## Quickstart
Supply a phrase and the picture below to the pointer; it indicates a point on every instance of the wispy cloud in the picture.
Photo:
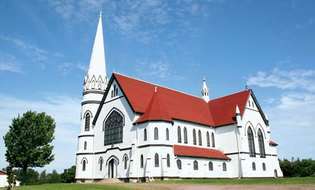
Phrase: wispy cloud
(292, 112)
(65, 110)
(8, 63)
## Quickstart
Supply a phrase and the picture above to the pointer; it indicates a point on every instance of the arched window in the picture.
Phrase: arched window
(185, 136)
(141, 161)
(264, 166)
(224, 166)
(156, 133)
(199, 138)
(194, 137)
(145, 135)
(83, 165)
(261, 144)
(251, 142)
(253, 166)
(100, 162)
(167, 134)
(113, 132)
(156, 160)
(85, 145)
(208, 139)
(87, 121)
(125, 159)
(195, 165)
(179, 164)
(179, 135)
(168, 161)
(213, 139)
(210, 166)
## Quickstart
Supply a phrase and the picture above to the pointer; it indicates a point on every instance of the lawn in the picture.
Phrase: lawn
(258, 181)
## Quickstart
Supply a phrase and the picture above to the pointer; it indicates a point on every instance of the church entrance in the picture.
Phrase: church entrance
(112, 168)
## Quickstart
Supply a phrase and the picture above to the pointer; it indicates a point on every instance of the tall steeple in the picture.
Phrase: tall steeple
(96, 77)
(205, 91)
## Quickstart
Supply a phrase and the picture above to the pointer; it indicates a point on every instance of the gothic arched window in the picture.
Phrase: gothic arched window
(156, 133)
(254, 166)
(208, 139)
(179, 135)
(199, 138)
(213, 139)
(210, 166)
(224, 166)
(156, 160)
(101, 161)
(141, 161)
(85, 145)
(251, 143)
(167, 134)
(194, 137)
(185, 136)
(145, 135)
(168, 161)
(113, 128)
(179, 164)
(264, 166)
(83, 165)
(195, 165)
(125, 159)
(87, 121)
(261, 144)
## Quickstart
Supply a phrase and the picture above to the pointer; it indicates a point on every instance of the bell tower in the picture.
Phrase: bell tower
(205, 91)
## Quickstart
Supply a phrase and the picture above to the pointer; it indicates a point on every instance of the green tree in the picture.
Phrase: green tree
(28, 141)
(68, 175)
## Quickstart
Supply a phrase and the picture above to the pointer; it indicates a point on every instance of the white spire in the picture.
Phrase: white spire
(205, 91)
(96, 77)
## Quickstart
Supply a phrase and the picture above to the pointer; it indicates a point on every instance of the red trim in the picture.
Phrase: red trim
(199, 152)
(273, 143)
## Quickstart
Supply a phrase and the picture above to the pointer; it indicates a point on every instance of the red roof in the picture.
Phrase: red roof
(170, 104)
(273, 143)
(2, 173)
(199, 152)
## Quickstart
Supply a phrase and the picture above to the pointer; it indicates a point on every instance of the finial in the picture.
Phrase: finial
(237, 110)
(204, 78)
(155, 89)
(100, 13)
(246, 87)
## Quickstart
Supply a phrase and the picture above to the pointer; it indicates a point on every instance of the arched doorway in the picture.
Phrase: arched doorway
(276, 173)
(112, 163)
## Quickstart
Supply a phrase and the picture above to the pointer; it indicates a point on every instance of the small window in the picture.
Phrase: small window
(213, 139)
(156, 133)
(116, 91)
(224, 166)
(156, 160)
(125, 161)
(195, 165)
(264, 166)
(141, 161)
(101, 161)
(168, 161)
(179, 164)
(85, 145)
(253, 166)
(185, 136)
(83, 165)
(179, 135)
(200, 138)
(87, 121)
(210, 166)
(167, 134)
(208, 139)
(145, 135)
(194, 137)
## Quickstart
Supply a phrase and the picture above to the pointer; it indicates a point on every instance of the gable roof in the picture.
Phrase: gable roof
(191, 151)
(2, 172)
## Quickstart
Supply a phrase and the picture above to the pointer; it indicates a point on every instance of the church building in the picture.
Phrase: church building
(134, 130)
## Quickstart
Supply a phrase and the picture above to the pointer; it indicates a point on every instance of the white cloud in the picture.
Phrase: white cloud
(292, 113)
(66, 112)
(8, 63)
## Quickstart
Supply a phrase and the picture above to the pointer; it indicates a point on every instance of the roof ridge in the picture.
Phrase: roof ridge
(141, 80)
(234, 93)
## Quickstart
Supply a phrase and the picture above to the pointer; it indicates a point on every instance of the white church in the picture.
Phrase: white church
(134, 130)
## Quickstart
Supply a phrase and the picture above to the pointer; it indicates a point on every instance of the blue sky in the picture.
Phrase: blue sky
(45, 47)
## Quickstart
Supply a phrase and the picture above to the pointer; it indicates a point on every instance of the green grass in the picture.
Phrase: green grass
(266, 181)
(73, 187)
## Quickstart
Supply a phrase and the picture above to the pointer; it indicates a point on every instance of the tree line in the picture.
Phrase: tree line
(297, 167)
